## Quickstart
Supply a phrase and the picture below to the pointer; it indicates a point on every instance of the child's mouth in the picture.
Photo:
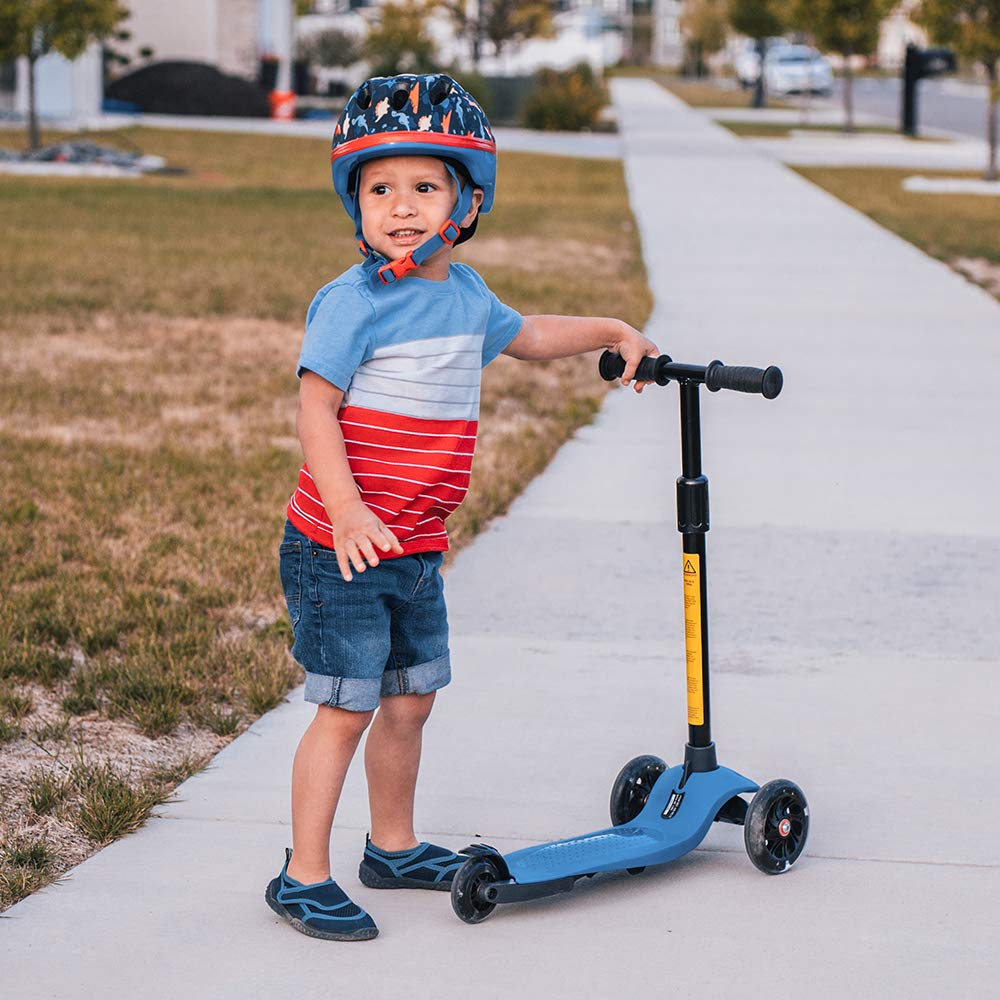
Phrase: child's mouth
(406, 236)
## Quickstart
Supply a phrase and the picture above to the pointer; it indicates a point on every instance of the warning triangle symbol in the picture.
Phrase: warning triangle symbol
(689, 566)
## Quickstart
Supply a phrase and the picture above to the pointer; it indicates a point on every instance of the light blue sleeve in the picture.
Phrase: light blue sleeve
(338, 334)
(502, 326)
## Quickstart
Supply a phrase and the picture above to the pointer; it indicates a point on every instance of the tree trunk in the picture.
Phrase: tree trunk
(759, 91)
(993, 94)
(34, 139)
(848, 93)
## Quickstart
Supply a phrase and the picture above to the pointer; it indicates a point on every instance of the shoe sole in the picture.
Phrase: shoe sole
(373, 880)
(362, 934)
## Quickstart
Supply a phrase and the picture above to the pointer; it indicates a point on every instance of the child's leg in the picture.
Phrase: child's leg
(392, 759)
(318, 773)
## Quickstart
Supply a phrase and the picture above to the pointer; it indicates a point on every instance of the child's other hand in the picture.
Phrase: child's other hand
(357, 532)
(633, 347)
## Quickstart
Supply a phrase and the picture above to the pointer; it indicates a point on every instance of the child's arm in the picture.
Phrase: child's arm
(543, 338)
(356, 530)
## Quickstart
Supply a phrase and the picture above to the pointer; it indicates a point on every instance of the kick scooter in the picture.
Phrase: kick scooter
(658, 813)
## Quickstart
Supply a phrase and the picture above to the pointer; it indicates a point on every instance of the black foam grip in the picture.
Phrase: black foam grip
(767, 381)
(611, 366)
(646, 372)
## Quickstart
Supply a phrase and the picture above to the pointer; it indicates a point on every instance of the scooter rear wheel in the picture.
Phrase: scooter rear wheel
(776, 826)
(632, 787)
(468, 889)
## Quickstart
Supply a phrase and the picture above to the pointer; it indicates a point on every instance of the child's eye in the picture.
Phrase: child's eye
(425, 187)
(380, 188)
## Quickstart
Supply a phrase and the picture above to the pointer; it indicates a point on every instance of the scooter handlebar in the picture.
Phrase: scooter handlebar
(766, 381)
(715, 375)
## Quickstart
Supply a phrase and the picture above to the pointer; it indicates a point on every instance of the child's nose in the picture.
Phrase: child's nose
(403, 205)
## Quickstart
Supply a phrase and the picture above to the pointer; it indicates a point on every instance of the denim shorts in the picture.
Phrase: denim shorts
(384, 632)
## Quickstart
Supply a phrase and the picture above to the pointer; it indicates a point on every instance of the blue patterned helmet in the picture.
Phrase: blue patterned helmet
(416, 116)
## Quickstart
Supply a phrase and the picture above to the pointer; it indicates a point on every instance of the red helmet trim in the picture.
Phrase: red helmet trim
(424, 138)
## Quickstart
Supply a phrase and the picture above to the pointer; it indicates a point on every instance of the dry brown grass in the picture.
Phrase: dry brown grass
(711, 94)
(256, 228)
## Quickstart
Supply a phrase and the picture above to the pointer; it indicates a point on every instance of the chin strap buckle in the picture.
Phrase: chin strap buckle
(445, 232)
(397, 269)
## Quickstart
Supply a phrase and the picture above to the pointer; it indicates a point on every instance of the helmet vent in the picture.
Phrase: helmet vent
(439, 89)
(364, 97)
(400, 95)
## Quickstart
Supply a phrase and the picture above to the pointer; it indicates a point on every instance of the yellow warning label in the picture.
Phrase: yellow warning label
(692, 637)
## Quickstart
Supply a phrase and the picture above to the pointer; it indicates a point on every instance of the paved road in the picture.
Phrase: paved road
(855, 562)
(942, 104)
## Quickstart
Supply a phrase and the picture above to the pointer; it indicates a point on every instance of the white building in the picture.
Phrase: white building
(584, 31)
(223, 33)
(64, 90)
(897, 32)
(668, 44)
(229, 34)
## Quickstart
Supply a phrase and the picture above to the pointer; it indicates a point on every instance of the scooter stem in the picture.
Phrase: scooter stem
(692, 523)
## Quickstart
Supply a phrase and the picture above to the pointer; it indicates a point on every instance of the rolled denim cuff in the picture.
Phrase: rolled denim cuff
(356, 694)
(420, 679)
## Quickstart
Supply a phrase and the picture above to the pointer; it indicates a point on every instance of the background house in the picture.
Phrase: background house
(231, 35)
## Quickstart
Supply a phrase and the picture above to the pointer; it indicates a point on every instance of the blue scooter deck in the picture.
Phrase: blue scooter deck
(673, 821)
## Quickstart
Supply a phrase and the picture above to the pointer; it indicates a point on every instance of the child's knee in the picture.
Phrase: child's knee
(343, 720)
(406, 710)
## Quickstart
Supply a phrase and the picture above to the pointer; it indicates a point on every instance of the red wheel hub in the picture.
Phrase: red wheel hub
(785, 827)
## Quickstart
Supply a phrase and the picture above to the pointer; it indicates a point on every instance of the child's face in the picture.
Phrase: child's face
(404, 202)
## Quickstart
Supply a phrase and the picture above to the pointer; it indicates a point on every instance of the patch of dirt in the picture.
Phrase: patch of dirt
(90, 739)
(200, 381)
(980, 270)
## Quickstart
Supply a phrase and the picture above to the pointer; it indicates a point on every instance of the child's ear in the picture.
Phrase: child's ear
(477, 200)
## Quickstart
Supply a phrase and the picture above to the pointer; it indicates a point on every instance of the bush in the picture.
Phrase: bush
(569, 101)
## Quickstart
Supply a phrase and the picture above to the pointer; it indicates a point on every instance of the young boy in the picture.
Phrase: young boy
(387, 417)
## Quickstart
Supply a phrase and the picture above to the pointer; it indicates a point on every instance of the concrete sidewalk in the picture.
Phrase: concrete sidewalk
(855, 562)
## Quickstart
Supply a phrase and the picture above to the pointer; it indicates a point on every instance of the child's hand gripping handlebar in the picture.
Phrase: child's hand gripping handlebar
(715, 375)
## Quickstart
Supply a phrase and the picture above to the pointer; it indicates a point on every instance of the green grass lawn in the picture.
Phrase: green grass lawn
(149, 334)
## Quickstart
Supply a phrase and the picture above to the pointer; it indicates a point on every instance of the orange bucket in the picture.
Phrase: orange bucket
(282, 104)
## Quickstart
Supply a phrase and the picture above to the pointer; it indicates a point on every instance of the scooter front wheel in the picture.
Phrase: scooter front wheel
(469, 889)
(632, 787)
(776, 826)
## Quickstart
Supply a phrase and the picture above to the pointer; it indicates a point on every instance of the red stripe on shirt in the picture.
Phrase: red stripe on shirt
(411, 472)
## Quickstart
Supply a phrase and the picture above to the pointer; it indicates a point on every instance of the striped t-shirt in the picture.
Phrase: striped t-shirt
(408, 356)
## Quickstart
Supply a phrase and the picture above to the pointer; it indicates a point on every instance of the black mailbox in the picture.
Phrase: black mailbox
(934, 62)
(918, 64)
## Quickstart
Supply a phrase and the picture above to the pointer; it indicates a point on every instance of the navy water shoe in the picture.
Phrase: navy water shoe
(321, 910)
(422, 867)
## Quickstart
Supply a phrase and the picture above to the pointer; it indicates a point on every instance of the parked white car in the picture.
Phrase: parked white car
(797, 69)
(746, 62)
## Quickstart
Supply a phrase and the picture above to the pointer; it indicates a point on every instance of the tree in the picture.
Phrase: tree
(34, 28)
(703, 25)
(502, 22)
(847, 27)
(759, 20)
(399, 43)
(331, 47)
(973, 28)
